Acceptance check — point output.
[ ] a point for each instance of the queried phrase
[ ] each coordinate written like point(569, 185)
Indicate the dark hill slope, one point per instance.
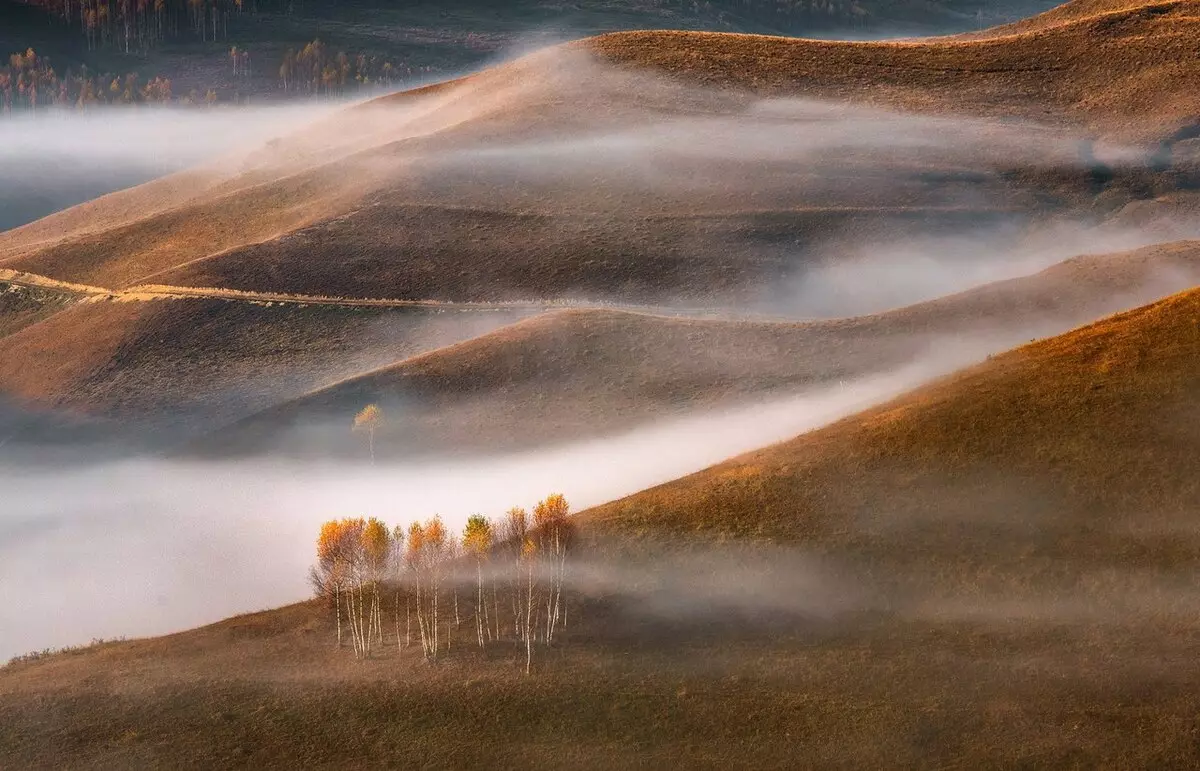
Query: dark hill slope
point(194, 363)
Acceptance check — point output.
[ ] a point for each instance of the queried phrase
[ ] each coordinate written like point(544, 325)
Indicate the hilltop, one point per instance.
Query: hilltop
point(1118, 68)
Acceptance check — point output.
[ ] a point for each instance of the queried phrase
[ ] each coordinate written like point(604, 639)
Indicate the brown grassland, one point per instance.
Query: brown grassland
point(997, 569)
point(1024, 529)
point(575, 374)
point(389, 209)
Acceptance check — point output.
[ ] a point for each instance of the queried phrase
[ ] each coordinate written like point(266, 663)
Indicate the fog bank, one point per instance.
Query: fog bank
point(147, 547)
point(56, 159)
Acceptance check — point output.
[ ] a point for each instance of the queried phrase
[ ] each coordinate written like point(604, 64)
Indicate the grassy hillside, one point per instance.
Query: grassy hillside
point(199, 363)
point(1117, 68)
point(555, 177)
point(1017, 542)
point(1068, 453)
point(194, 363)
point(573, 374)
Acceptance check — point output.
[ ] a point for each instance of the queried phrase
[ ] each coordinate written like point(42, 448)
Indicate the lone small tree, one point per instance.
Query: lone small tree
point(369, 419)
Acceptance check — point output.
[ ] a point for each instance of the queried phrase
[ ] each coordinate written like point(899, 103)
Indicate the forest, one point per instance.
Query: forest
point(136, 26)
point(29, 81)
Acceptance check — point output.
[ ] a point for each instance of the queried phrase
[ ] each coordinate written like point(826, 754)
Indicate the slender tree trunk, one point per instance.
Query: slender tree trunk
point(350, 617)
point(529, 622)
point(337, 610)
point(378, 616)
point(495, 611)
point(436, 586)
point(480, 607)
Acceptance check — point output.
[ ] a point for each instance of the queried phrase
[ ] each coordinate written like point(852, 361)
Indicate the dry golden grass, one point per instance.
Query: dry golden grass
point(200, 362)
point(1121, 69)
point(1073, 451)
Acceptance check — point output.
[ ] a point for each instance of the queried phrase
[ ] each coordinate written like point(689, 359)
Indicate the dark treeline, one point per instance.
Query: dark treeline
point(138, 25)
point(318, 69)
point(29, 81)
point(783, 15)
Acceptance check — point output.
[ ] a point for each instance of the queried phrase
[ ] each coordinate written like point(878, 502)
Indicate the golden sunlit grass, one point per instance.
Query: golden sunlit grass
point(1118, 68)
point(1081, 437)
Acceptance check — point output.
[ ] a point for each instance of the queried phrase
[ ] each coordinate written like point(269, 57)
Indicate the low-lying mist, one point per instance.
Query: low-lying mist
point(56, 159)
point(149, 546)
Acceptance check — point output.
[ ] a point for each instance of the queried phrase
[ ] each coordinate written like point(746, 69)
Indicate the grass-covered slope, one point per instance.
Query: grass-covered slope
point(1074, 451)
point(1019, 538)
point(1117, 68)
point(196, 363)
point(555, 176)
point(578, 374)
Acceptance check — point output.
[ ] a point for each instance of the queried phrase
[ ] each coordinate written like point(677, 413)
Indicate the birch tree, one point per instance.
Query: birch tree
point(515, 531)
point(377, 549)
point(367, 421)
point(477, 541)
point(415, 557)
point(528, 558)
point(553, 528)
point(329, 574)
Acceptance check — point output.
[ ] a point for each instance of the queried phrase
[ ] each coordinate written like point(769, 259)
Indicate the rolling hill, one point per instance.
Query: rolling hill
point(575, 374)
point(561, 175)
point(1017, 542)
point(235, 374)
point(190, 363)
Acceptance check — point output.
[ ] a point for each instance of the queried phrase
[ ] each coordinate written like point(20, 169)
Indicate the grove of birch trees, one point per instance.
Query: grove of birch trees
point(502, 578)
